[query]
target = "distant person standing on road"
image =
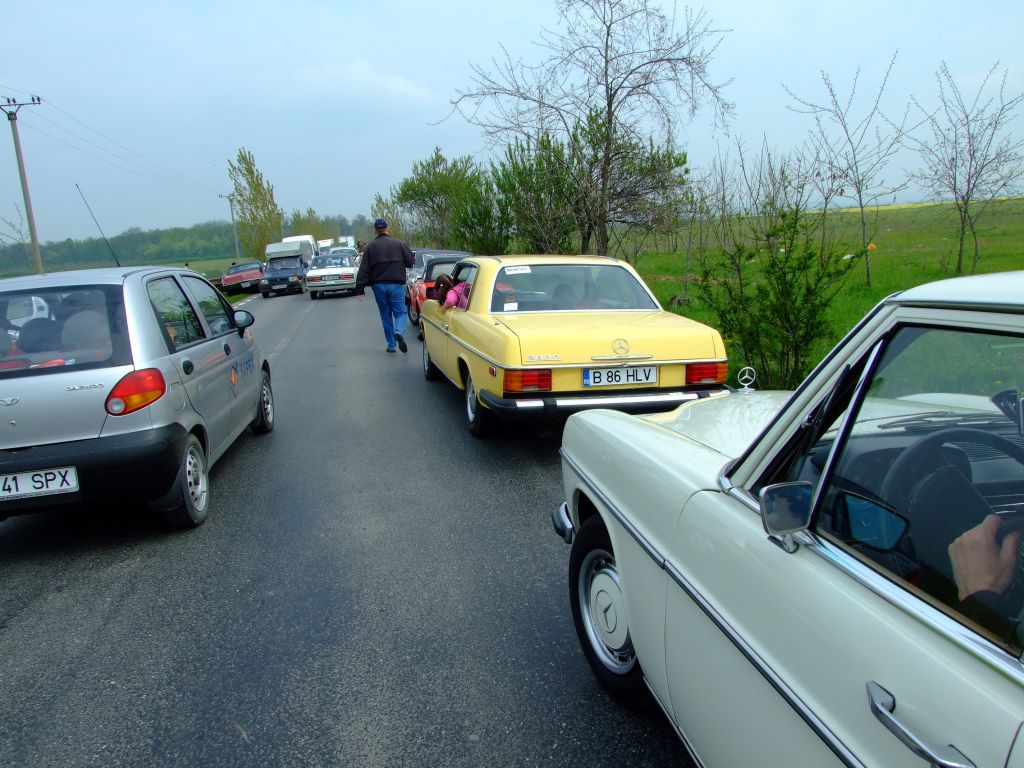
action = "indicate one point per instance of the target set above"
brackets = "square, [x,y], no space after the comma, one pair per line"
[383,268]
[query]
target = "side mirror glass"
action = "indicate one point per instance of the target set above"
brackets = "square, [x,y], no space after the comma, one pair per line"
[786,508]
[243,320]
[870,523]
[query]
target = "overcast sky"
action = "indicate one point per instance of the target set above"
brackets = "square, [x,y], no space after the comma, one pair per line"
[144,103]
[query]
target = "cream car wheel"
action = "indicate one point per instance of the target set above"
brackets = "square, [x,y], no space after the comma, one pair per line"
[599,612]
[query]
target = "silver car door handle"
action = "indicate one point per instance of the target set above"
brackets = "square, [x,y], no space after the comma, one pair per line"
[883,705]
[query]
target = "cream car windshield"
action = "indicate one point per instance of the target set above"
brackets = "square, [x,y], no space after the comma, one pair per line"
[567,287]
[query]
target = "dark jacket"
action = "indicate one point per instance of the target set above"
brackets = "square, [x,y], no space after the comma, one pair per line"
[384,261]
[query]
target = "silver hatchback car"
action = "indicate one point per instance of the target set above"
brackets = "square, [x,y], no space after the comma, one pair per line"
[126,384]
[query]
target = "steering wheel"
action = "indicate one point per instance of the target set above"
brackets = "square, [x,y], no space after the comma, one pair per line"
[925,456]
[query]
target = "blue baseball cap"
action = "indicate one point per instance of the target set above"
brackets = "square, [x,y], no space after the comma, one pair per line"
[380,224]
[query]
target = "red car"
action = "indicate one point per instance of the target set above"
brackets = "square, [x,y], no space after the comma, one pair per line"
[417,289]
[242,277]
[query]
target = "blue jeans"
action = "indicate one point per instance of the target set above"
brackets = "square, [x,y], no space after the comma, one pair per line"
[391,303]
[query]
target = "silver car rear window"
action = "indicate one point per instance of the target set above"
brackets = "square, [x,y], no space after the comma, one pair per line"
[54,329]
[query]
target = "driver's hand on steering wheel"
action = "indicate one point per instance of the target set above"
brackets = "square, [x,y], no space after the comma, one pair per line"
[979,563]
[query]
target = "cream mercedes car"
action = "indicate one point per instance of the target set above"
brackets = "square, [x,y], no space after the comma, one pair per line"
[828,577]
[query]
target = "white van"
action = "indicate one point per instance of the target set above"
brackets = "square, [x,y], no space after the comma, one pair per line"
[291,248]
[304,239]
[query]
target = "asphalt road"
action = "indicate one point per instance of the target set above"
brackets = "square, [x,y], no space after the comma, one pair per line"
[374,587]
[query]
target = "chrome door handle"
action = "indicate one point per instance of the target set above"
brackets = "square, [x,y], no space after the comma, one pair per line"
[883,705]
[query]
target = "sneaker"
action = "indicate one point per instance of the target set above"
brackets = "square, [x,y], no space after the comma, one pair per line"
[401,342]
[389,350]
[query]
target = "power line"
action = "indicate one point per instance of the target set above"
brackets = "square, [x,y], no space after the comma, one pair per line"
[107,151]
[126,149]
[169,182]
[197,185]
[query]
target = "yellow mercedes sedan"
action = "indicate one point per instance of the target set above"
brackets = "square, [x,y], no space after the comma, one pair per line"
[548,335]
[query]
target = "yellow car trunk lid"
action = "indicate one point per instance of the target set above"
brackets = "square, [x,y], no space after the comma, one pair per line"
[581,337]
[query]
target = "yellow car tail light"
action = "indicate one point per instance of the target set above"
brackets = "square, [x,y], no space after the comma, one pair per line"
[706,373]
[538,380]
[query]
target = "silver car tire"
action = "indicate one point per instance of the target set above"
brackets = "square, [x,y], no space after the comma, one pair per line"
[599,613]
[187,503]
[264,421]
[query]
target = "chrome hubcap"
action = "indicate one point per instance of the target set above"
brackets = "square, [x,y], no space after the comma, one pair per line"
[603,610]
[195,478]
[470,400]
[267,402]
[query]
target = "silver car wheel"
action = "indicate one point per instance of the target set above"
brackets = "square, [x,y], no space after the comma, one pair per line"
[267,401]
[197,481]
[603,612]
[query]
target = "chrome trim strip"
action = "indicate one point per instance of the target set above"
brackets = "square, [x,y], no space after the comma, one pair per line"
[915,607]
[613,510]
[823,732]
[666,397]
[622,357]
[547,364]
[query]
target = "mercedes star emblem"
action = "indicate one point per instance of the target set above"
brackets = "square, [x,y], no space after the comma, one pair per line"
[746,377]
[620,347]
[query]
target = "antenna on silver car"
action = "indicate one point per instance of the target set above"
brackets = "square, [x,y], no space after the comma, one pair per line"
[98,225]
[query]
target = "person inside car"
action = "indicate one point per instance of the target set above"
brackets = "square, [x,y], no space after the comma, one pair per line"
[451,294]
[984,568]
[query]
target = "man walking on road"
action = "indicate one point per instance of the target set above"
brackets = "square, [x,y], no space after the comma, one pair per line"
[383,268]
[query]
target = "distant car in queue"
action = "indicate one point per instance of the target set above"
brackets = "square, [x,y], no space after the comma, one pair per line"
[242,278]
[433,267]
[284,274]
[334,273]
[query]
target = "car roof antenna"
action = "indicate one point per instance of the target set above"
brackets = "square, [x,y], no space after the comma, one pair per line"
[98,225]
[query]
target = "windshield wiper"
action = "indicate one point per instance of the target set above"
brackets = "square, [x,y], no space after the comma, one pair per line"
[933,420]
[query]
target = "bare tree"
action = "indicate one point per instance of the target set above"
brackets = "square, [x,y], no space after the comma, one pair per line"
[854,151]
[620,70]
[970,155]
[18,238]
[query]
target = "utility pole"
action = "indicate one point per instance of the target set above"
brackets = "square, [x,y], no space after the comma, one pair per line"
[234,227]
[10,107]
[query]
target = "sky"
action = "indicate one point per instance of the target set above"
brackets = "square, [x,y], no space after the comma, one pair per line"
[145,103]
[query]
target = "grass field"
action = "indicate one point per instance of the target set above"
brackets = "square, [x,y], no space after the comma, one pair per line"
[915,244]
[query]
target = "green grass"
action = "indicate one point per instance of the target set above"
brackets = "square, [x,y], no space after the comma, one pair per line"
[915,245]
